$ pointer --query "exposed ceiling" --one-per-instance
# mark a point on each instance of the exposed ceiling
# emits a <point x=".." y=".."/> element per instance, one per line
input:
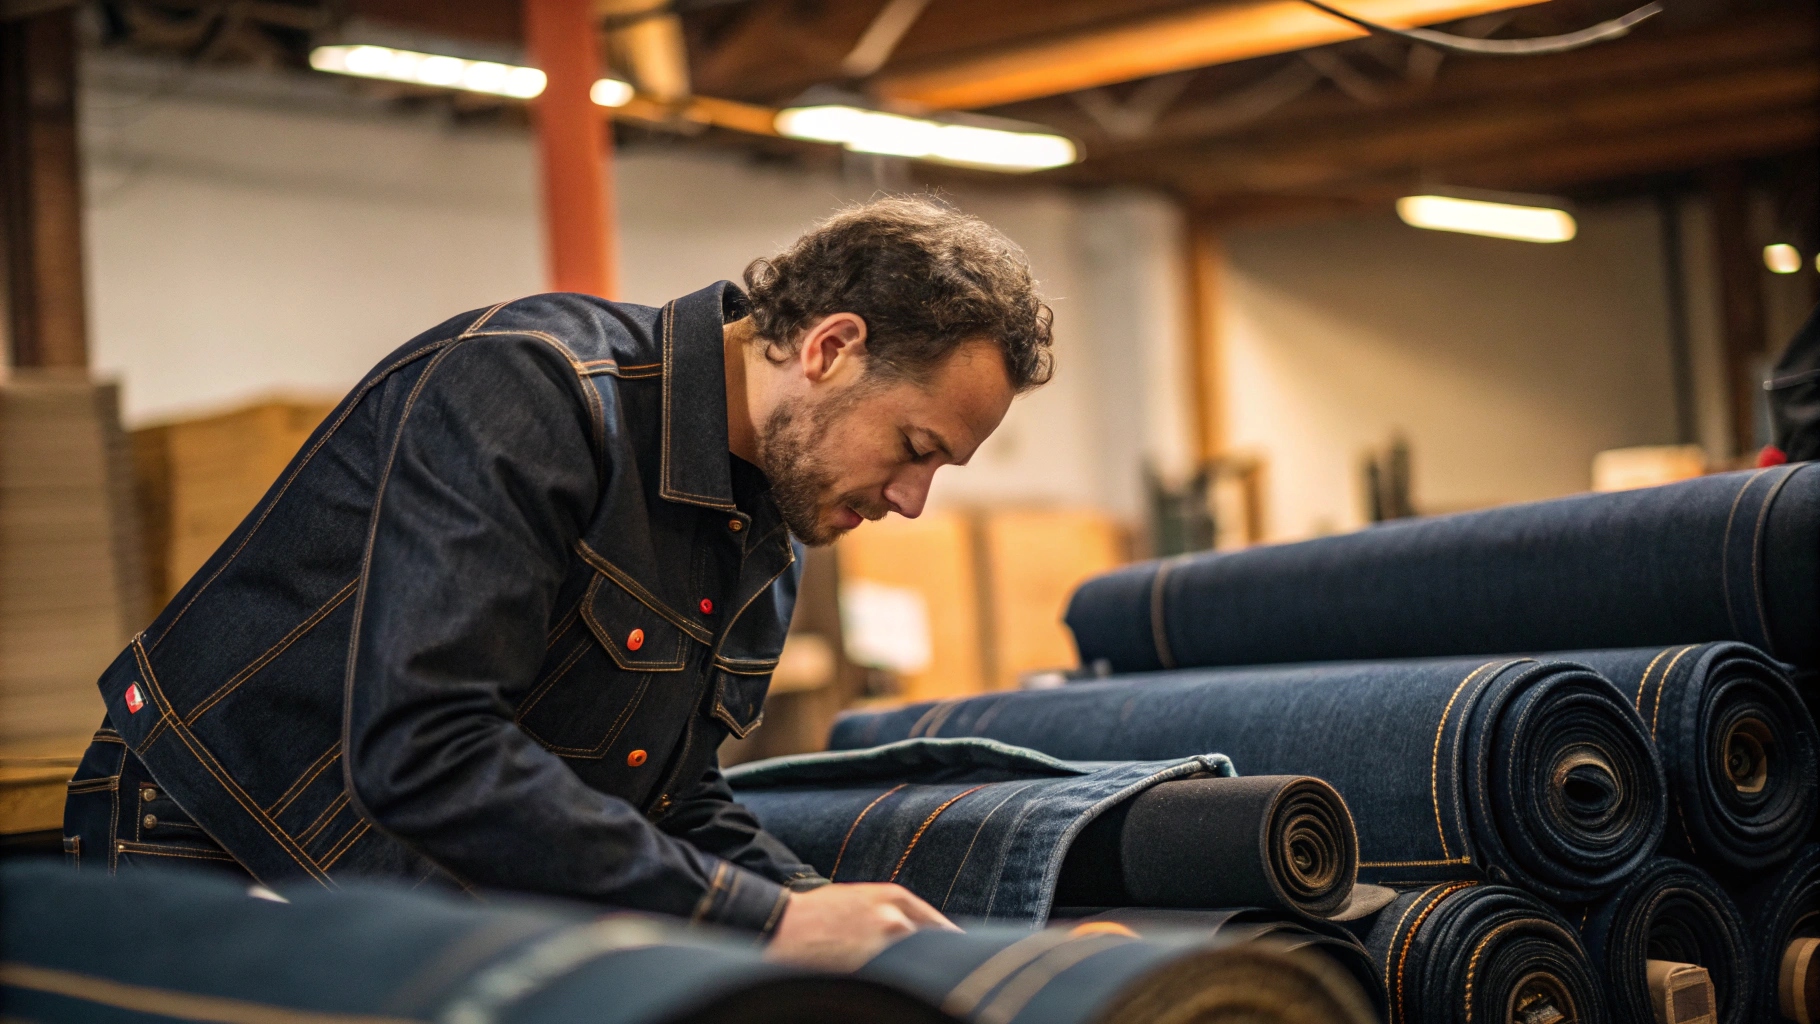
<point x="1334" y="127"/>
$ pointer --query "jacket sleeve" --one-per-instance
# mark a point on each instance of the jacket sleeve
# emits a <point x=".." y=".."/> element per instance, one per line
<point x="489" y="478"/>
<point x="707" y="817"/>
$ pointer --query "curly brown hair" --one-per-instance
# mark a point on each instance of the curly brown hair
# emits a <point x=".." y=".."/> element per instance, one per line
<point x="925" y="278"/>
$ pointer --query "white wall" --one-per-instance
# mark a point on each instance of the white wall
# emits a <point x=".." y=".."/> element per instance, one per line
<point x="243" y="244"/>
<point x="1506" y="364"/>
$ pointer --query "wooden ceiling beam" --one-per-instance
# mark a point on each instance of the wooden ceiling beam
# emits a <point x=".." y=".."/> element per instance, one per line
<point x="1155" y="45"/>
<point x="1305" y="161"/>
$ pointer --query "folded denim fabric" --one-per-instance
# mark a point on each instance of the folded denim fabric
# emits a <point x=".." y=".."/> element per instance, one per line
<point x="1279" y="842"/>
<point x="1782" y="909"/>
<point x="1536" y="773"/>
<point x="1247" y="924"/>
<point x="1102" y="973"/>
<point x="1740" y="749"/>
<point x="163" y="944"/>
<point x="1671" y="911"/>
<point x="978" y="828"/>
<point x="1734" y="556"/>
<point x="1462" y="953"/>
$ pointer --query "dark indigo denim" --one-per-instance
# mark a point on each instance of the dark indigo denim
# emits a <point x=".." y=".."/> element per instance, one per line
<point x="1710" y="706"/>
<point x="977" y="828"/>
<point x="1098" y="974"/>
<point x="1462" y="953"/>
<point x="492" y="622"/>
<point x="1249" y="924"/>
<point x="1794" y="393"/>
<point x="1778" y="906"/>
<point x="173" y="944"/>
<point x="1672" y="911"/>
<point x="1536" y="773"/>
<point x="1734" y="556"/>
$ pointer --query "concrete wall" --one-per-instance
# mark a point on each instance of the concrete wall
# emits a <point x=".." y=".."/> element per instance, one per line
<point x="1507" y="365"/>
<point x="244" y="240"/>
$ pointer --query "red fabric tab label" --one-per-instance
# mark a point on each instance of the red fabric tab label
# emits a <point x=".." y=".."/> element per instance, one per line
<point x="133" y="700"/>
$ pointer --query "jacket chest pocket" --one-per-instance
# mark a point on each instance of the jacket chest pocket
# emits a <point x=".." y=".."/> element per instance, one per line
<point x="739" y="699"/>
<point x="621" y="662"/>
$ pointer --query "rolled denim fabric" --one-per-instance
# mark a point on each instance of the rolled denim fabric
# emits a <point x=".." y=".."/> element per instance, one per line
<point x="1675" y="912"/>
<point x="1281" y="842"/>
<point x="1739" y="747"/>
<point x="1734" y="556"/>
<point x="1102" y="973"/>
<point x="1782" y="917"/>
<point x="1540" y="774"/>
<point x="977" y="828"/>
<point x="1462" y="953"/>
<point x="1227" y="927"/>
<point x="167" y="944"/>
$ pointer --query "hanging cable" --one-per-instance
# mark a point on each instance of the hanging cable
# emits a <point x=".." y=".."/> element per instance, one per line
<point x="1599" y="33"/>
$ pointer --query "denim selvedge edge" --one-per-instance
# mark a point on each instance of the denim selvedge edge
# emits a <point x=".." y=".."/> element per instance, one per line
<point x="1453" y="770"/>
<point x="1734" y="556"/>
<point x="976" y="827"/>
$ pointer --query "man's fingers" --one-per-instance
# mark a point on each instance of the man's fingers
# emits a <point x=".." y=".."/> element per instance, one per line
<point x="921" y="913"/>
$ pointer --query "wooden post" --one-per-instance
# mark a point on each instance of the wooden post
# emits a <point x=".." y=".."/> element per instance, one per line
<point x="1206" y="264"/>
<point x="1740" y="264"/>
<point x="41" y="192"/>
<point x="575" y="144"/>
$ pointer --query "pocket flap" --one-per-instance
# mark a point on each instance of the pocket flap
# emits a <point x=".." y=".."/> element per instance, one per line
<point x="739" y="699"/>
<point x="635" y="634"/>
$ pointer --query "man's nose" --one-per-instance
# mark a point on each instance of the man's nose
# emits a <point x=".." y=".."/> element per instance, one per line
<point x="907" y="491"/>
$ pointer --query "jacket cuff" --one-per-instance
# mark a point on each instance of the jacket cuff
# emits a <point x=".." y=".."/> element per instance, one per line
<point x="737" y="898"/>
<point x="804" y="881"/>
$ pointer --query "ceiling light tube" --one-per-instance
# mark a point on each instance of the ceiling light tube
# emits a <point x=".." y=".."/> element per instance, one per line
<point x="876" y="131"/>
<point x="437" y="71"/>
<point x="1486" y="217"/>
<point x="1782" y="258"/>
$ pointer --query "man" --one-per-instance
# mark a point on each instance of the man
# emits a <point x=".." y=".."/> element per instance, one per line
<point x="491" y="624"/>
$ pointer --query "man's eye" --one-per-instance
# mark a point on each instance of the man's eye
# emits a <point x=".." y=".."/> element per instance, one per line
<point x="911" y="449"/>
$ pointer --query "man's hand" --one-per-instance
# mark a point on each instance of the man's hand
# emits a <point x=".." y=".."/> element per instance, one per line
<point x="840" y="927"/>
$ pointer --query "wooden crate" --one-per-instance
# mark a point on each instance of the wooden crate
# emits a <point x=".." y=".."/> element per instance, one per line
<point x="198" y="478"/>
<point x="932" y="555"/>
<point x="1034" y="560"/>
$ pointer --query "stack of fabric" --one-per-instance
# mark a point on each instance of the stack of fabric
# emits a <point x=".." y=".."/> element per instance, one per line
<point x="1572" y="734"/>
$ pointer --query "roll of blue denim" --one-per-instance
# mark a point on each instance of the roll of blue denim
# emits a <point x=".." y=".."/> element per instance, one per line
<point x="1739" y="747"/>
<point x="1103" y="973"/>
<point x="1446" y="951"/>
<point x="1672" y="911"/>
<point x="1248" y="924"/>
<point x="978" y="828"/>
<point x="1734" y="556"/>
<point x="1536" y="773"/>
<point x="164" y="944"/>
<point x="1779" y="908"/>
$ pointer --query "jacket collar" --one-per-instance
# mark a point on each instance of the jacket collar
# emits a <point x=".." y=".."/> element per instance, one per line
<point x="695" y="470"/>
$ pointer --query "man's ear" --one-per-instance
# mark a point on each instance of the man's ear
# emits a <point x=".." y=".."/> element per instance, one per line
<point x="833" y="347"/>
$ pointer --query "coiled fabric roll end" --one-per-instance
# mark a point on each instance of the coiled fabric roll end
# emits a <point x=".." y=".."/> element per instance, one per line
<point x="1779" y="911"/>
<point x="1675" y="913"/>
<point x="1461" y="952"/>
<point x="1102" y="973"/>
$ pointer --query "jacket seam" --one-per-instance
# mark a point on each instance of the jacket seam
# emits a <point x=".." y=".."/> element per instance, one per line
<point x="626" y="582"/>
<point x="619" y="726"/>
<point x="304" y="780"/>
<point x="298" y="632"/>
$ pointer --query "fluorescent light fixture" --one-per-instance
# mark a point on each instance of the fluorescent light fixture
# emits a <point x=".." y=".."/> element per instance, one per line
<point x="875" y="131"/>
<point x="1486" y="217"/>
<point x="1782" y="258"/>
<point x="491" y="77"/>
<point x="610" y="92"/>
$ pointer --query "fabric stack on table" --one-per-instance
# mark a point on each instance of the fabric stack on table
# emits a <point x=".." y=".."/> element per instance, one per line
<point x="1567" y="731"/>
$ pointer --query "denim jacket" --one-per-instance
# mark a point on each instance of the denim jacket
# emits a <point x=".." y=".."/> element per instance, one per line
<point x="491" y="624"/>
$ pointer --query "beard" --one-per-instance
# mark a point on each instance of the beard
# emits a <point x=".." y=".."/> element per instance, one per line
<point x="790" y="447"/>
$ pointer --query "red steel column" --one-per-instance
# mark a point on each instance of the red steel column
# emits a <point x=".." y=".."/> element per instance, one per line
<point x="576" y="146"/>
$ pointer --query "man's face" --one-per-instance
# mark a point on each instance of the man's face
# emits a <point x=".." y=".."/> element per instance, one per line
<point x="854" y="451"/>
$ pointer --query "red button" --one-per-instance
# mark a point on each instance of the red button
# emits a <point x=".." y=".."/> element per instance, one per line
<point x="707" y="606"/>
<point x="636" y="640"/>
<point x="635" y="758"/>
